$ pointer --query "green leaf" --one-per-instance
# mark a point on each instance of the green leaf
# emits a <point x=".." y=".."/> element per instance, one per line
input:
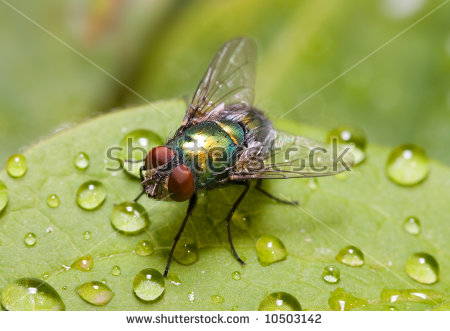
<point x="363" y="209"/>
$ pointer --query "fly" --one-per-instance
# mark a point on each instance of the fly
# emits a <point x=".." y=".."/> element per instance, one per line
<point x="224" y="140"/>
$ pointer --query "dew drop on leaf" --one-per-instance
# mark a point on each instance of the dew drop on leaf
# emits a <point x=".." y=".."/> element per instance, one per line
<point x="4" y="197"/>
<point x="280" y="301"/>
<point x="53" y="201"/>
<point x="217" y="299"/>
<point x="191" y="296"/>
<point x="30" y="239"/>
<point x="331" y="274"/>
<point x="144" y="248"/>
<point x="411" y="295"/>
<point x="87" y="235"/>
<point x="31" y="294"/>
<point x="17" y="166"/>
<point x="173" y="279"/>
<point x="116" y="271"/>
<point x="346" y="135"/>
<point x="270" y="249"/>
<point x="412" y="225"/>
<point x="148" y="284"/>
<point x="236" y="275"/>
<point x="186" y="252"/>
<point x="81" y="161"/>
<point x="423" y="268"/>
<point x="408" y="165"/>
<point x="340" y="300"/>
<point x="91" y="195"/>
<point x="351" y="256"/>
<point x="85" y="263"/>
<point x="129" y="218"/>
<point x="95" y="293"/>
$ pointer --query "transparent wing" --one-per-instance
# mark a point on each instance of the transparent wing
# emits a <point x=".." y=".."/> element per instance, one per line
<point x="293" y="157"/>
<point x="229" y="80"/>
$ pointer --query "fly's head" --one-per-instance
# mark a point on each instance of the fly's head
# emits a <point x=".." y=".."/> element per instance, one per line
<point x="166" y="177"/>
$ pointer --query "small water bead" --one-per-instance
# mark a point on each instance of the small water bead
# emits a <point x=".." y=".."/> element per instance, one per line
<point x="81" y="161"/>
<point x="129" y="218"/>
<point x="423" y="268"/>
<point x="173" y="279"/>
<point x="87" y="235"/>
<point x="234" y="308"/>
<point x="412" y="225"/>
<point x="116" y="271"/>
<point x="85" y="263"/>
<point x="95" y="293"/>
<point x="340" y="300"/>
<point x="45" y="276"/>
<point x="17" y="166"/>
<point x="144" y="248"/>
<point x="270" y="249"/>
<point x="411" y="295"/>
<point x="191" y="296"/>
<point x="91" y="195"/>
<point x="217" y="299"/>
<point x="148" y="284"/>
<point x="331" y="274"/>
<point x="186" y="252"/>
<point x="351" y="256"/>
<point x="280" y="301"/>
<point x="351" y="135"/>
<point x="53" y="201"/>
<point x="30" y="239"/>
<point x="4" y="197"/>
<point x="28" y="294"/>
<point x="135" y="146"/>
<point x="236" y="275"/>
<point x="408" y="165"/>
<point x="49" y="230"/>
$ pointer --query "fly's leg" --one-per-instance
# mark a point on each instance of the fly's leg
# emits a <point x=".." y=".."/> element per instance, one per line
<point x="192" y="202"/>
<point x="230" y="215"/>
<point x="141" y="174"/>
<point x="260" y="189"/>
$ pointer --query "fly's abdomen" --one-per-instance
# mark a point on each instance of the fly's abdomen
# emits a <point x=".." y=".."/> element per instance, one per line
<point x="209" y="150"/>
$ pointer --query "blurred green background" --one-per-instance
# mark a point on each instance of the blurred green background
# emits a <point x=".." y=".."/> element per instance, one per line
<point x="160" y="48"/>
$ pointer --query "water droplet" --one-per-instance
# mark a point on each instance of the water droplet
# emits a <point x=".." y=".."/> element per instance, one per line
<point x="45" y="276"/>
<point x="408" y="165"/>
<point x="331" y="274"/>
<point x="95" y="293"/>
<point x="17" y="166"/>
<point x="351" y="256"/>
<point x="4" y="197"/>
<point x="191" y="296"/>
<point x="217" y="299"/>
<point x="53" y="201"/>
<point x="103" y="280"/>
<point x="129" y="218"/>
<point x="234" y="308"/>
<point x="49" y="230"/>
<point x="91" y="195"/>
<point x="270" y="249"/>
<point x="30" y="239"/>
<point x="313" y="183"/>
<point x="31" y="294"/>
<point x="412" y="225"/>
<point x="346" y="135"/>
<point x="86" y="235"/>
<point x="173" y="279"/>
<point x="85" y="263"/>
<point x="144" y="248"/>
<point x="411" y="295"/>
<point x="280" y="301"/>
<point x="186" y="252"/>
<point x="236" y="275"/>
<point x="241" y="221"/>
<point x="135" y="146"/>
<point x="423" y="268"/>
<point x="340" y="300"/>
<point x="148" y="284"/>
<point x="81" y="161"/>
<point x="116" y="271"/>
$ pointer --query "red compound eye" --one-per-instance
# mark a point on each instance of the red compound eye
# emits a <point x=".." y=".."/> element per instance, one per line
<point x="181" y="183"/>
<point x="158" y="156"/>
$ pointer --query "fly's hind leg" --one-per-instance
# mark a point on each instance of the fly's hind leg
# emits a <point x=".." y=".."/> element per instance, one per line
<point x="260" y="189"/>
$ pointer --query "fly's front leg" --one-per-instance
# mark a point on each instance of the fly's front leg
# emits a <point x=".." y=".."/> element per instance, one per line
<point x="260" y="189"/>
<point x="192" y="203"/>
<point x="141" y="174"/>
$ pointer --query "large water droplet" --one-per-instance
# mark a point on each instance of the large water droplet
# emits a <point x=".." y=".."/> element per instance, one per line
<point x="85" y="263"/>
<point x="346" y="135"/>
<point x="116" y="271"/>
<point x="30" y="239"/>
<point x="423" y="268"/>
<point x="17" y="166"/>
<point x="331" y="274"/>
<point x="4" y="197"/>
<point x="53" y="201"/>
<point x="144" y="248"/>
<point x="412" y="225"/>
<point x="95" y="293"/>
<point x="236" y="275"/>
<point x="280" y="301"/>
<point x="91" y="195"/>
<point x="217" y="299"/>
<point x="408" y="165"/>
<point x="341" y="300"/>
<point x="270" y="249"/>
<point x="148" y="284"/>
<point x="31" y="294"/>
<point x="129" y="218"/>
<point x="411" y="295"/>
<point x="351" y="256"/>
<point x="135" y="146"/>
<point x="186" y="252"/>
<point x="81" y="161"/>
